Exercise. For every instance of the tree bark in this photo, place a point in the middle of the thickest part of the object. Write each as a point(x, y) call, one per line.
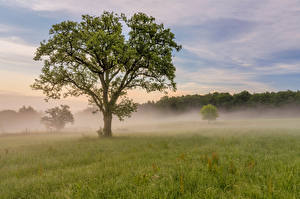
point(107, 119)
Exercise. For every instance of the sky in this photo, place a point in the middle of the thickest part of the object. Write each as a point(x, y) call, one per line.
point(228, 46)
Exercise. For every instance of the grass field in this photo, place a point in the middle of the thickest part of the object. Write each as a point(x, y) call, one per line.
point(222, 160)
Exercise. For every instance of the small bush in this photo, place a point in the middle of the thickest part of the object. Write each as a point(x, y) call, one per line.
point(100, 132)
point(209, 112)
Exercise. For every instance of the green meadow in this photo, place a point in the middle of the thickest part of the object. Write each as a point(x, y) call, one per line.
point(226, 159)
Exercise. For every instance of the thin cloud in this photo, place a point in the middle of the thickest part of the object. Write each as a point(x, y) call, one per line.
point(215, 79)
point(14, 101)
point(15, 53)
point(4, 28)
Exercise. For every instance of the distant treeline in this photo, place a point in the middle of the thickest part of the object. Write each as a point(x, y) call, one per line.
point(25, 118)
point(227, 101)
point(280, 103)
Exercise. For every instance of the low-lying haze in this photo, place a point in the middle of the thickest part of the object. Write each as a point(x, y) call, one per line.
point(157, 121)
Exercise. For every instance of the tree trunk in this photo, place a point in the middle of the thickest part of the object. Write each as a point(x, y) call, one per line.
point(107, 118)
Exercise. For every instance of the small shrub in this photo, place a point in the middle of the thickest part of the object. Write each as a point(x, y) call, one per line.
point(209, 112)
point(100, 132)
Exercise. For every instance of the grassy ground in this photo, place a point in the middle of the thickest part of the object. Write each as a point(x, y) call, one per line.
point(222, 162)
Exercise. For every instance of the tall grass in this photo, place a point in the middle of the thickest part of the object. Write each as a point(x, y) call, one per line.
point(209, 163)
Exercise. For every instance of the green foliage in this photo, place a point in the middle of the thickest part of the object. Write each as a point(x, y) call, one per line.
point(228, 102)
point(57, 117)
point(209, 112)
point(94, 58)
point(211, 163)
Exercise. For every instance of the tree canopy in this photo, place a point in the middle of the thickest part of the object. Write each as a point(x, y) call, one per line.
point(57, 117)
point(96, 59)
point(227, 101)
point(209, 112)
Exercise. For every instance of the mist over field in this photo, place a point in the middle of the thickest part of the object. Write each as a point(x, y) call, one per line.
point(153, 120)
point(243, 154)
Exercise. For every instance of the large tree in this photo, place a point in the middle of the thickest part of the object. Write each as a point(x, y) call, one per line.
point(98, 59)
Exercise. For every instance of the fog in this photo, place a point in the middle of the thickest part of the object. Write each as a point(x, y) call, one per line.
point(156, 120)
point(24, 120)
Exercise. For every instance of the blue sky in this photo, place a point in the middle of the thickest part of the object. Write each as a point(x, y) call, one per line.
point(228, 46)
